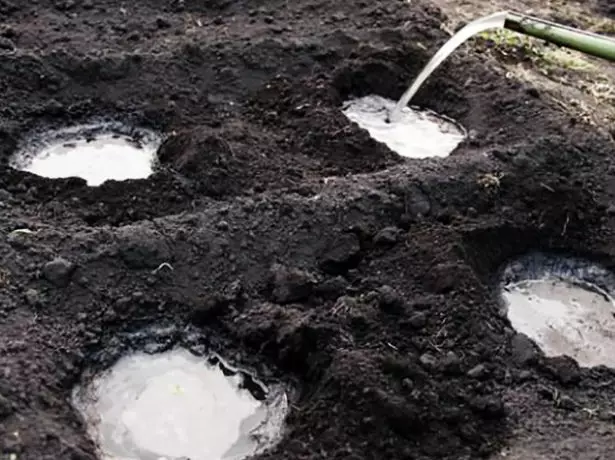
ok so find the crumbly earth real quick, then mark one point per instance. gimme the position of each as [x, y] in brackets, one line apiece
[283, 234]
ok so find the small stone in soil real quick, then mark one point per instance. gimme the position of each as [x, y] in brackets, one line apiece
[291, 284]
[490, 407]
[418, 320]
[162, 23]
[59, 271]
[564, 368]
[6, 44]
[387, 236]
[332, 288]
[390, 299]
[33, 297]
[523, 349]
[341, 253]
[478, 371]
[567, 403]
[428, 361]
[451, 363]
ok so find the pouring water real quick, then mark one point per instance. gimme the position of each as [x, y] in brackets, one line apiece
[409, 132]
[493, 21]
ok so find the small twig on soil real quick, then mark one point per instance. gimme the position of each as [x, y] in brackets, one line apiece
[435, 346]
[540, 217]
[391, 346]
[591, 413]
[344, 130]
[546, 187]
[566, 224]
[163, 265]
[442, 332]
[227, 146]
[605, 384]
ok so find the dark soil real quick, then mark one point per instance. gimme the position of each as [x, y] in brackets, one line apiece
[298, 246]
[606, 7]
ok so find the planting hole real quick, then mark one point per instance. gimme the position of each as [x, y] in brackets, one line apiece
[565, 306]
[175, 405]
[415, 134]
[95, 153]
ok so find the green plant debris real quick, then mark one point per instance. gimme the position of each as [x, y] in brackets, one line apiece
[544, 56]
[505, 38]
[604, 26]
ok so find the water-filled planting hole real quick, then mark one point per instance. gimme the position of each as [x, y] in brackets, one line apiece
[415, 134]
[565, 305]
[176, 405]
[95, 153]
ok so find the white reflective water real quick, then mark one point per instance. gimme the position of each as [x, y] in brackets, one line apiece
[493, 21]
[175, 405]
[415, 134]
[96, 155]
[565, 318]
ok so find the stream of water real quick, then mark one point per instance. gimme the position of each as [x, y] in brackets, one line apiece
[493, 21]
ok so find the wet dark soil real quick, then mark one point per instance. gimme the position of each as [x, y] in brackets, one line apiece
[287, 237]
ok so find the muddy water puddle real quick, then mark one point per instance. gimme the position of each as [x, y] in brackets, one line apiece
[414, 133]
[565, 314]
[176, 405]
[96, 153]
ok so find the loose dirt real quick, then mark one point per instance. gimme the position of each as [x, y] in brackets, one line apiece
[285, 236]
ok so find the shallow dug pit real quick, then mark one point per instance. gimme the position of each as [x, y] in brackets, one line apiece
[176, 405]
[417, 134]
[564, 305]
[96, 153]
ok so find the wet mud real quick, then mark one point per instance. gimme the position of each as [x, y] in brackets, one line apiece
[286, 236]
